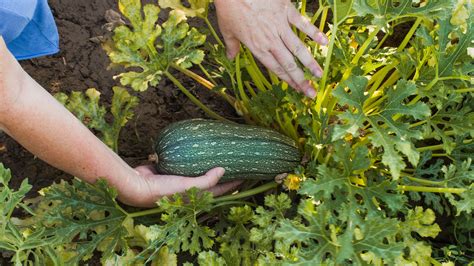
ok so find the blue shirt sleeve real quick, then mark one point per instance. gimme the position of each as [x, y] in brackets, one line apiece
[28, 28]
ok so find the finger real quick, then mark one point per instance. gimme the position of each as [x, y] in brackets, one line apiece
[269, 61]
[304, 25]
[232, 45]
[224, 188]
[286, 59]
[297, 47]
[210, 179]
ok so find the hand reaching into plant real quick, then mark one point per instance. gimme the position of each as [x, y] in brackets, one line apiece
[264, 26]
[144, 189]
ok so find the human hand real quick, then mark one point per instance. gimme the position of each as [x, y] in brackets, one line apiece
[144, 189]
[264, 26]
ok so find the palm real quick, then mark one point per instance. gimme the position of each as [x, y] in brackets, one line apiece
[150, 186]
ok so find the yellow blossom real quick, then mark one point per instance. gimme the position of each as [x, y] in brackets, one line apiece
[292, 182]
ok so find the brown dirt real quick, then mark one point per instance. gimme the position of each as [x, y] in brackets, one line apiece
[82, 64]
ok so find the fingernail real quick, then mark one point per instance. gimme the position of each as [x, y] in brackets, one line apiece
[220, 171]
[311, 93]
[323, 39]
[318, 72]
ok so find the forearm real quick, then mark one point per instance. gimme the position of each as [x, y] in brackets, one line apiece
[37, 121]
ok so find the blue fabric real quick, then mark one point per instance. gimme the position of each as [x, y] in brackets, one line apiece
[28, 28]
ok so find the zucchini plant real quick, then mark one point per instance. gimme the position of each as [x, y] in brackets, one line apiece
[388, 144]
[85, 106]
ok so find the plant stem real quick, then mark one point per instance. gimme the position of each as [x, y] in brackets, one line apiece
[439, 146]
[432, 189]
[247, 193]
[365, 45]
[193, 98]
[240, 86]
[424, 181]
[464, 90]
[419, 123]
[145, 212]
[316, 16]
[204, 82]
[233, 202]
[322, 85]
[206, 73]
[409, 34]
[213, 31]
[255, 72]
[323, 19]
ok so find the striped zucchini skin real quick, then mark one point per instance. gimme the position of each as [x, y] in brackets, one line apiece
[192, 147]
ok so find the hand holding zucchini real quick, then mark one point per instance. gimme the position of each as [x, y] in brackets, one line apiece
[192, 147]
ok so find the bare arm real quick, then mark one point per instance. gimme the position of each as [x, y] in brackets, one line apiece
[36, 120]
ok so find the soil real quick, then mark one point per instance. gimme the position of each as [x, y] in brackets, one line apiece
[82, 64]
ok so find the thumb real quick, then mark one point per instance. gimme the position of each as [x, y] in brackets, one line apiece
[232, 46]
[208, 180]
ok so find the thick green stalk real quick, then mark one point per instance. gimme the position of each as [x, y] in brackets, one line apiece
[439, 146]
[255, 71]
[302, 35]
[240, 86]
[364, 46]
[322, 23]
[213, 31]
[195, 100]
[320, 98]
[422, 181]
[432, 189]
[247, 193]
[206, 73]
[145, 212]
[410, 33]
[464, 90]
[419, 123]
[204, 82]
[316, 15]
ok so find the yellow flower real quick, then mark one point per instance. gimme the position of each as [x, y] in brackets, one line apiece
[292, 182]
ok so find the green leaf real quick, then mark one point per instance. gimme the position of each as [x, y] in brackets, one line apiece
[147, 46]
[28, 246]
[181, 230]
[210, 258]
[385, 11]
[421, 222]
[320, 238]
[466, 203]
[447, 54]
[235, 246]
[9, 198]
[197, 8]
[266, 221]
[86, 107]
[342, 9]
[393, 136]
[176, 31]
[86, 218]
[326, 183]
[452, 121]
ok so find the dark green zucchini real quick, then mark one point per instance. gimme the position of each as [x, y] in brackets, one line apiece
[192, 147]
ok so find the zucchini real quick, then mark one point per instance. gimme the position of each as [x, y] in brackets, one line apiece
[192, 147]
